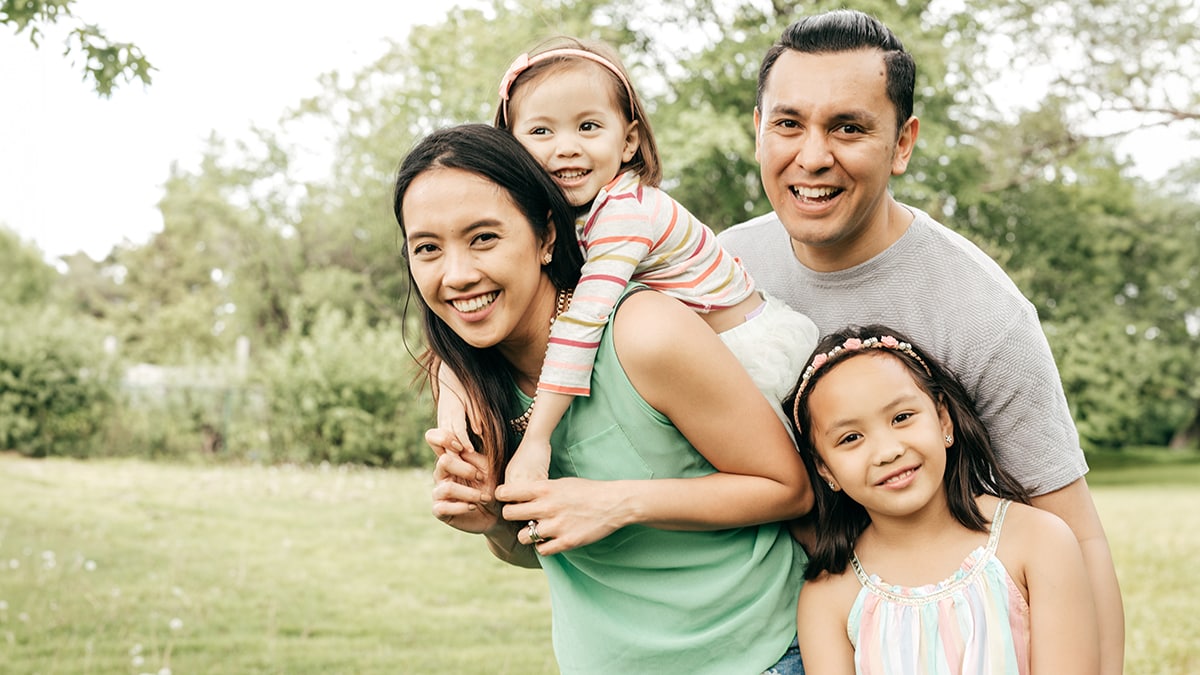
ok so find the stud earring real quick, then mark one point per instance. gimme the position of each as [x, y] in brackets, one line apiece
[832, 485]
[547, 258]
[949, 440]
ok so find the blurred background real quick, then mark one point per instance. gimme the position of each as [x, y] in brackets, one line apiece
[198, 255]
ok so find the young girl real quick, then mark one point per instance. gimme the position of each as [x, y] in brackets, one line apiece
[925, 558]
[573, 108]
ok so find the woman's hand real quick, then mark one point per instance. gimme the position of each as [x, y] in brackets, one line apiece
[462, 492]
[569, 512]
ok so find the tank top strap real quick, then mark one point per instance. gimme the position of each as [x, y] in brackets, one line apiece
[997, 525]
[859, 571]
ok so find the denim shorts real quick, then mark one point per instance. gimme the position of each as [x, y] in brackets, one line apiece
[789, 663]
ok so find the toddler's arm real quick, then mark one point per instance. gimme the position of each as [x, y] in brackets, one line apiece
[531, 461]
[453, 408]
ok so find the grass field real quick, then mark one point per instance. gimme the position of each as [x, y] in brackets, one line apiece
[124, 566]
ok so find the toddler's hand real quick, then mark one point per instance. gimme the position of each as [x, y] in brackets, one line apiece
[531, 462]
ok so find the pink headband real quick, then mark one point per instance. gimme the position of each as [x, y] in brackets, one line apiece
[524, 61]
[851, 345]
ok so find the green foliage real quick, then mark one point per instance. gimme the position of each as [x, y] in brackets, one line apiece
[1125, 386]
[106, 63]
[251, 248]
[345, 392]
[24, 278]
[56, 387]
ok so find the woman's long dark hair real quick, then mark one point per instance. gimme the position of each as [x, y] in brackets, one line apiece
[971, 465]
[497, 157]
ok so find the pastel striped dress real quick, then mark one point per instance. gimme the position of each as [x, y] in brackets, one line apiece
[975, 622]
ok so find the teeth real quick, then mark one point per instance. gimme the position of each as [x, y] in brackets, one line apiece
[474, 304]
[813, 193]
[570, 175]
[895, 479]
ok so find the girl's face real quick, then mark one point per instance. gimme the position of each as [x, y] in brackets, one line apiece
[476, 259]
[570, 121]
[879, 436]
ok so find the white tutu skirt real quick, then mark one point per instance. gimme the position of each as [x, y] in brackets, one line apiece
[773, 346]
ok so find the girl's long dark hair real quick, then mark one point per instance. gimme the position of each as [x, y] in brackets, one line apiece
[496, 156]
[971, 465]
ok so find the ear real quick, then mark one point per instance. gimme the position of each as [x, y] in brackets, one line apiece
[547, 245]
[757, 120]
[944, 419]
[905, 143]
[631, 142]
[824, 472]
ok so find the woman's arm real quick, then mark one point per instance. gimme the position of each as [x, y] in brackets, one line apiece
[1064, 633]
[684, 370]
[462, 500]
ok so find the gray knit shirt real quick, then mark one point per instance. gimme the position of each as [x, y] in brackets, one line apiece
[955, 302]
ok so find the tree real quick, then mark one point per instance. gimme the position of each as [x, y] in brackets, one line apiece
[24, 278]
[106, 63]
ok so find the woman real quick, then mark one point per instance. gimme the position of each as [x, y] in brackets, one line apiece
[674, 574]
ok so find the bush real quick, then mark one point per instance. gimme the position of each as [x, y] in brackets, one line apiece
[56, 385]
[1124, 388]
[345, 392]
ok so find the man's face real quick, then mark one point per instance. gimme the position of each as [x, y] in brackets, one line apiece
[827, 145]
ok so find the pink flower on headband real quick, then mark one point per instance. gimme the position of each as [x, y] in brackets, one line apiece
[852, 343]
[818, 361]
[889, 341]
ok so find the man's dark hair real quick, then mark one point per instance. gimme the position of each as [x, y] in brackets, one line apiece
[847, 30]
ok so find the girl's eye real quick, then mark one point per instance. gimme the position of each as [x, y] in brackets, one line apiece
[589, 126]
[849, 438]
[902, 417]
[539, 131]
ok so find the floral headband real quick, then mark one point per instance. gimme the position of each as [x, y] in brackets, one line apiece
[851, 345]
[524, 61]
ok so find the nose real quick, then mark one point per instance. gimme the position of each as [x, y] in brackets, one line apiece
[459, 270]
[814, 153]
[887, 450]
[566, 144]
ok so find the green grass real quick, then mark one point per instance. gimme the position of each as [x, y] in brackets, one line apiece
[125, 566]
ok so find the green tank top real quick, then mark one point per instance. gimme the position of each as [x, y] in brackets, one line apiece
[644, 600]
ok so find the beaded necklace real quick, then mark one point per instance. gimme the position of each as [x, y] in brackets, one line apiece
[562, 302]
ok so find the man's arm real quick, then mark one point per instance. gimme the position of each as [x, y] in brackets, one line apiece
[1074, 505]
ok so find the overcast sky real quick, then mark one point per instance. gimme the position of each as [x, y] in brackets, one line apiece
[78, 172]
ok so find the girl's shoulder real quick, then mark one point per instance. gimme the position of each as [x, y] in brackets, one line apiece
[1029, 537]
[830, 595]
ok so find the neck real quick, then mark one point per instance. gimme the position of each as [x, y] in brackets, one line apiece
[525, 348]
[891, 224]
[926, 524]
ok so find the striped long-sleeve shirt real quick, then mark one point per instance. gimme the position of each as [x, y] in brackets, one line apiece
[634, 232]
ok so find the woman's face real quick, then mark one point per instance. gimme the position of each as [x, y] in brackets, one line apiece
[475, 257]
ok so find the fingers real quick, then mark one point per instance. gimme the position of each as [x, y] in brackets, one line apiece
[467, 468]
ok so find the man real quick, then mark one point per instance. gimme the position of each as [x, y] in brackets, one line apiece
[833, 122]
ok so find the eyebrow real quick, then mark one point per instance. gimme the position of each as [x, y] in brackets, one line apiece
[851, 115]
[479, 224]
[895, 402]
